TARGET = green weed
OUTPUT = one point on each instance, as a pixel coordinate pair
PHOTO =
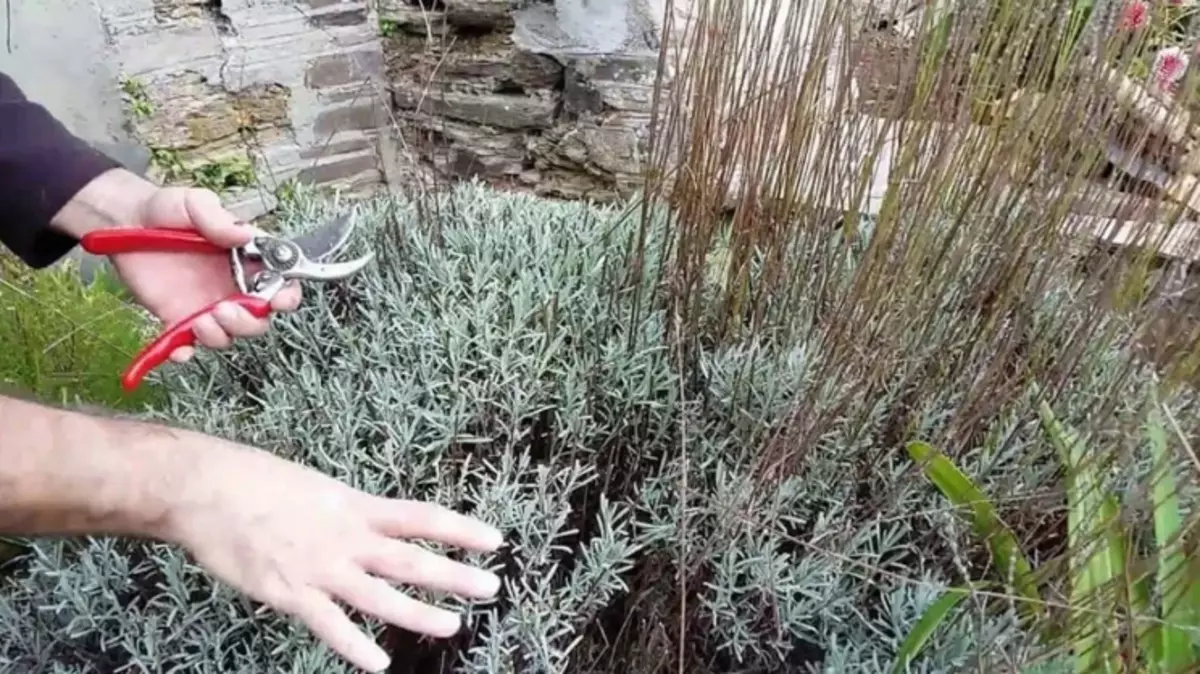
(1103, 580)
(64, 341)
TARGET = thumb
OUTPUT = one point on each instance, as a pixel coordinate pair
(212, 220)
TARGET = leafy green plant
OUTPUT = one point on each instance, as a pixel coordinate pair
(218, 176)
(136, 98)
(493, 359)
(1102, 580)
(1006, 550)
(66, 342)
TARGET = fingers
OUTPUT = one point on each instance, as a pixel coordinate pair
(211, 219)
(331, 625)
(235, 321)
(218, 329)
(183, 355)
(288, 299)
(429, 521)
(378, 598)
(406, 563)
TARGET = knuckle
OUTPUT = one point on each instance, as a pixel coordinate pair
(408, 562)
(405, 564)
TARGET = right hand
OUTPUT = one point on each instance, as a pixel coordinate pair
(173, 286)
(297, 540)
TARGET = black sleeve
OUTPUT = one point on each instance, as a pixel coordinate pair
(42, 165)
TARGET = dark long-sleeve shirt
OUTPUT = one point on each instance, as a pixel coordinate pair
(42, 165)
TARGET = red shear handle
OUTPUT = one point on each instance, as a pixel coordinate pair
(180, 335)
(147, 239)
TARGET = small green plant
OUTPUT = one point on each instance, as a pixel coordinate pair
(388, 27)
(136, 98)
(1103, 578)
(167, 161)
(222, 175)
(286, 192)
(67, 342)
(218, 176)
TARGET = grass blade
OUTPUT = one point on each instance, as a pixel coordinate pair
(1091, 517)
(986, 523)
(1169, 645)
(930, 621)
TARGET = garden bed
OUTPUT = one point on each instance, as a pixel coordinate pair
(489, 363)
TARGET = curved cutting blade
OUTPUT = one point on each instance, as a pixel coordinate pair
(326, 240)
(329, 271)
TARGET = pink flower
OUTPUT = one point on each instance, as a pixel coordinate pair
(1170, 64)
(1134, 15)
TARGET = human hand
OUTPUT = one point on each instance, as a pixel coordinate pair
(298, 541)
(172, 286)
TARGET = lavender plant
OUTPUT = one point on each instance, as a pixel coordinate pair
(497, 359)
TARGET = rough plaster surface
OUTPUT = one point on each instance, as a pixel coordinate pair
(56, 51)
(589, 27)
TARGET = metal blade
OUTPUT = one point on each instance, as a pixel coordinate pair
(330, 271)
(329, 238)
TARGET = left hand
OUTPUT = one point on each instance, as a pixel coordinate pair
(172, 286)
(302, 543)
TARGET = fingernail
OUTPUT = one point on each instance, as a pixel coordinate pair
(183, 354)
(493, 538)
(378, 661)
(447, 623)
(487, 584)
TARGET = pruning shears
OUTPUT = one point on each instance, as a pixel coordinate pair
(281, 259)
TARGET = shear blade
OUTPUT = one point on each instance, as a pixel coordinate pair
(330, 271)
(326, 240)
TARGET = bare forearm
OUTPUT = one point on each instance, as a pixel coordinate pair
(67, 473)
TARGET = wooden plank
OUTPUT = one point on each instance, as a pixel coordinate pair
(1099, 212)
(1180, 241)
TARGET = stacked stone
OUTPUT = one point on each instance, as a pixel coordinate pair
(521, 95)
(292, 86)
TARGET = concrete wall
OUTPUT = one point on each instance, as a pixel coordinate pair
(57, 52)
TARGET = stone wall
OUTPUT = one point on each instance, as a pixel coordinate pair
(246, 96)
(555, 96)
(522, 94)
